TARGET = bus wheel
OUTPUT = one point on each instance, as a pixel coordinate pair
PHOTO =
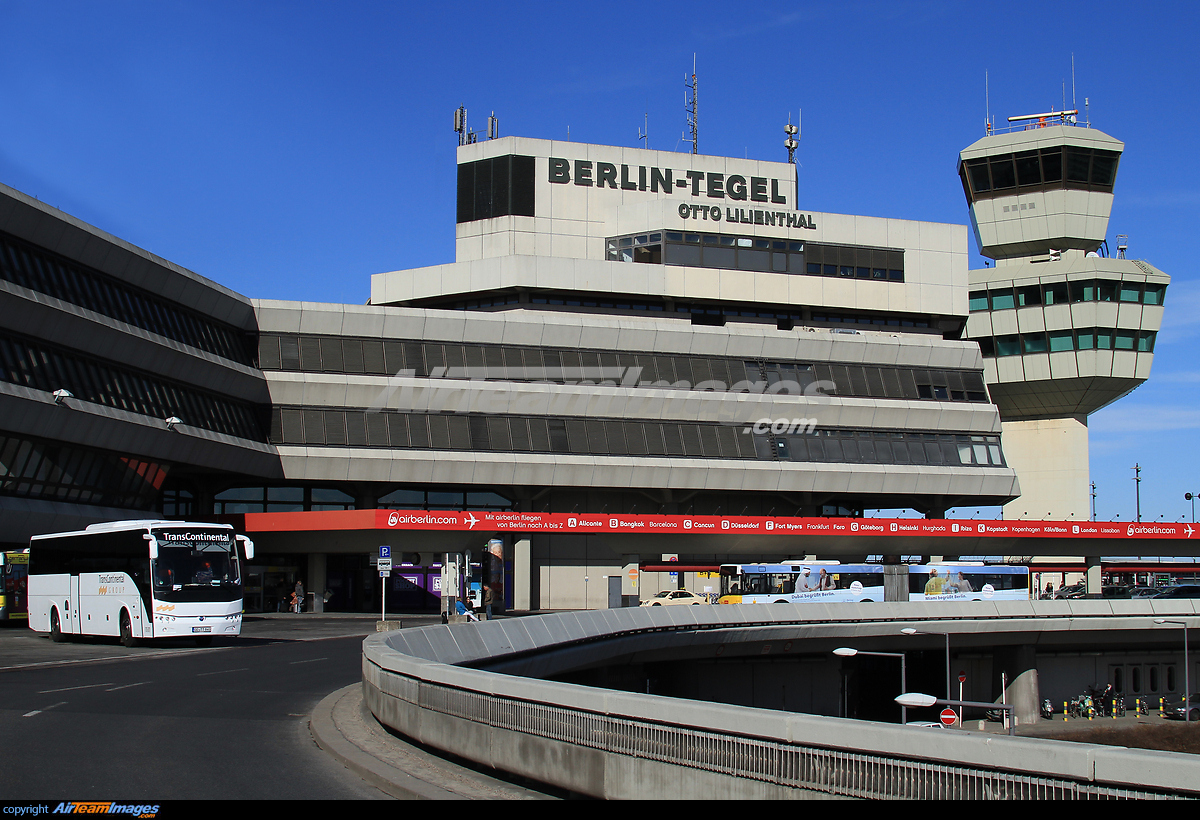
(127, 638)
(779, 602)
(205, 640)
(56, 633)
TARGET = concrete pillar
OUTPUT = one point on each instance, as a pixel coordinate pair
(1093, 580)
(316, 582)
(895, 579)
(1019, 666)
(1050, 457)
(631, 581)
(522, 573)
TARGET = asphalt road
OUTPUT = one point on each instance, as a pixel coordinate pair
(93, 720)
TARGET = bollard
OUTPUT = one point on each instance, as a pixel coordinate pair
(1114, 710)
(1064, 711)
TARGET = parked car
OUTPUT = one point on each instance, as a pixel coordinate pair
(1144, 592)
(1180, 591)
(1174, 710)
(1115, 591)
(669, 597)
(1071, 592)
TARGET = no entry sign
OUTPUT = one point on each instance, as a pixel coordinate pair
(949, 717)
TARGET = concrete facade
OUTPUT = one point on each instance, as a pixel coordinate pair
(603, 342)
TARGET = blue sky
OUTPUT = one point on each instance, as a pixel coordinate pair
(291, 149)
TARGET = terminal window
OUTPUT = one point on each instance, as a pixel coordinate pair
(499, 186)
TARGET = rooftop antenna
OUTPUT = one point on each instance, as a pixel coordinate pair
(465, 135)
(493, 126)
(1073, 105)
(987, 105)
(460, 124)
(791, 142)
(691, 107)
(644, 135)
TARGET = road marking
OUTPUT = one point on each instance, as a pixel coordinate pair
(48, 708)
(310, 660)
(127, 686)
(72, 688)
(223, 671)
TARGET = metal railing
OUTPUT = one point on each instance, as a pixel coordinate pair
(790, 765)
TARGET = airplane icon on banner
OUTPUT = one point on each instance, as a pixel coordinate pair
(471, 517)
(1188, 529)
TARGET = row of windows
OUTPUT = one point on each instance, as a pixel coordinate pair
(875, 447)
(707, 250)
(1061, 293)
(239, 500)
(356, 428)
(1056, 341)
(785, 317)
(1047, 169)
(41, 367)
(493, 187)
(476, 433)
(37, 269)
(37, 469)
(334, 354)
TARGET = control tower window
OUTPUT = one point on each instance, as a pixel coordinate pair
(1085, 168)
(1028, 168)
(1003, 175)
(1153, 294)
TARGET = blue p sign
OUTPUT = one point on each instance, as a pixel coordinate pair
(385, 552)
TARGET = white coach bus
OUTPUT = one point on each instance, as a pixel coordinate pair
(138, 580)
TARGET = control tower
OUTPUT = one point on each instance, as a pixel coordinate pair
(1065, 327)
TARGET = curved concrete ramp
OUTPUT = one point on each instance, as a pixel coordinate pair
(429, 684)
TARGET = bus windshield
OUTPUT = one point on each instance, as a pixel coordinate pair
(194, 566)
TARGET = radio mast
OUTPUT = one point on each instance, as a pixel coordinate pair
(690, 106)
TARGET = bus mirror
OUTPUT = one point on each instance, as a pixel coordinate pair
(153, 545)
(248, 546)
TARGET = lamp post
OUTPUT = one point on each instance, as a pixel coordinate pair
(910, 631)
(1192, 498)
(1187, 681)
(916, 699)
(847, 652)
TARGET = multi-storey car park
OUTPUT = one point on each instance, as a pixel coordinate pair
(622, 331)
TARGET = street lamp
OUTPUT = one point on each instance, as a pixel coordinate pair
(1186, 497)
(1187, 681)
(910, 631)
(847, 652)
(918, 700)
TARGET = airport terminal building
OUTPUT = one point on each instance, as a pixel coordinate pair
(623, 331)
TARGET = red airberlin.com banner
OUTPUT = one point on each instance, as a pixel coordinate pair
(483, 521)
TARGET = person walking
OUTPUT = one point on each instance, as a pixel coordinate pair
(488, 598)
(298, 597)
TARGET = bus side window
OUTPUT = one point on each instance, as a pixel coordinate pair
(789, 586)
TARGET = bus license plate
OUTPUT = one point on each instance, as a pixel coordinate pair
(202, 629)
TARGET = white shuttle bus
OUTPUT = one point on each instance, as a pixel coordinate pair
(138, 580)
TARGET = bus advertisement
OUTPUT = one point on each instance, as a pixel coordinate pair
(834, 582)
(14, 575)
(137, 580)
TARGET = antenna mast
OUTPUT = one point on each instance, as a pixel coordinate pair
(690, 106)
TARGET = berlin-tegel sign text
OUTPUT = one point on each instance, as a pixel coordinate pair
(710, 184)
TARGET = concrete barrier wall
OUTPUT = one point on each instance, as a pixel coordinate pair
(611, 744)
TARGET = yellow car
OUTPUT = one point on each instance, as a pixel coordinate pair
(670, 597)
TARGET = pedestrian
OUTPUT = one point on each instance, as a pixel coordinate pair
(488, 598)
(298, 597)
